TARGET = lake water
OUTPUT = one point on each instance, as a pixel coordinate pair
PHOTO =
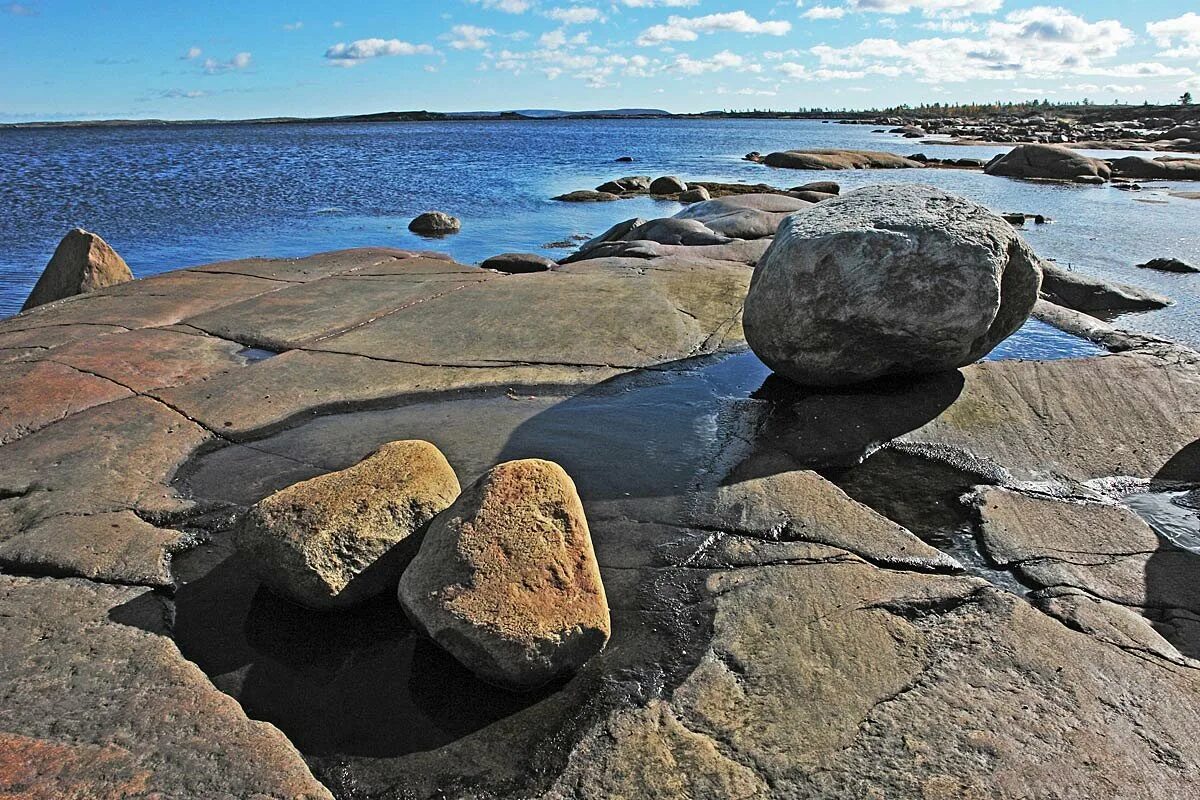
(173, 197)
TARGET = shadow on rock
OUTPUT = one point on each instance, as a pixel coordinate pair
(354, 683)
(1172, 588)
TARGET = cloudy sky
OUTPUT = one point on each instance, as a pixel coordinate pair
(70, 59)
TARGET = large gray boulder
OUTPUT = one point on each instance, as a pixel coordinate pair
(1049, 162)
(1164, 168)
(744, 216)
(507, 580)
(435, 223)
(888, 280)
(82, 262)
(839, 160)
(1081, 293)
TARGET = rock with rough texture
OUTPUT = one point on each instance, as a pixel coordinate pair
(839, 160)
(888, 280)
(1049, 162)
(676, 231)
(695, 195)
(630, 183)
(824, 187)
(1169, 265)
(341, 538)
(1086, 294)
(435, 223)
(82, 262)
(668, 184)
(514, 263)
(744, 216)
(507, 579)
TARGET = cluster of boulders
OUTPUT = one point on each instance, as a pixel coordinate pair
(82, 262)
(503, 576)
(1158, 133)
(639, 185)
(1049, 162)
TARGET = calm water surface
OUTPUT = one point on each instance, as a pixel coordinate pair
(172, 197)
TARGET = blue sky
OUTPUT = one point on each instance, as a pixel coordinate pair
(67, 59)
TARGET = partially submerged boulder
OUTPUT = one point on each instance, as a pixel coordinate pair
(888, 280)
(1086, 294)
(839, 159)
(1169, 265)
(1170, 168)
(341, 538)
(1049, 162)
(435, 223)
(82, 262)
(630, 183)
(668, 184)
(587, 196)
(507, 580)
(515, 263)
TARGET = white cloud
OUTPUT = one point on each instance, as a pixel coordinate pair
(349, 54)
(212, 66)
(930, 8)
(507, 6)
(575, 15)
(664, 3)
(688, 29)
(824, 12)
(725, 59)
(1180, 35)
(192, 54)
(293, 26)
(469, 37)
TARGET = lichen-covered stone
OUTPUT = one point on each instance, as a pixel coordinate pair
(507, 580)
(338, 539)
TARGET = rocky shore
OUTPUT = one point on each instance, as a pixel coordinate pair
(930, 584)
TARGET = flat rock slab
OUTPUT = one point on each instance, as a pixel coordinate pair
(96, 702)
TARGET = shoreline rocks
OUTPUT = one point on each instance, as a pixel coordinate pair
(82, 262)
(888, 280)
(1048, 162)
(1081, 293)
(507, 580)
(519, 263)
(435, 223)
(341, 538)
(1169, 265)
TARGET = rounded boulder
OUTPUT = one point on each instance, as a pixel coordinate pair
(341, 538)
(888, 280)
(506, 580)
(435, 223)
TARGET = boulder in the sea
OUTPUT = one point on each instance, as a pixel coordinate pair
(1169, 265)
(435, 223)
(668, 184)
(630, 183)
(507, 581)
(514, 263)
(341, 538)
(1082, 293)
(587, 196)
(624, 159)
(1049, 162)
(697, 194)
(888, 280)
(839, 159)
(82, 262)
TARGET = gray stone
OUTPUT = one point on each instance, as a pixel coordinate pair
(514, 263)
(1049, 162)
(1086, 294)
(887, 280)
(435, 223)
(668, 184)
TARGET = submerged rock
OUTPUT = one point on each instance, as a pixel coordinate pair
(1049, 162)
(514, 263)
(1165, 168)
(630, 183)
(435, 223)
(1082, 293)
(586, 196)
(82, 262)
(888, 280)
(507, 580)
(1169, 265)
(341, 538)
(839, 159)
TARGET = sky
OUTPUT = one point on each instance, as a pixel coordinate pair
(69, 59)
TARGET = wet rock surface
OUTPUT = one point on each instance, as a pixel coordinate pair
(788, 618)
